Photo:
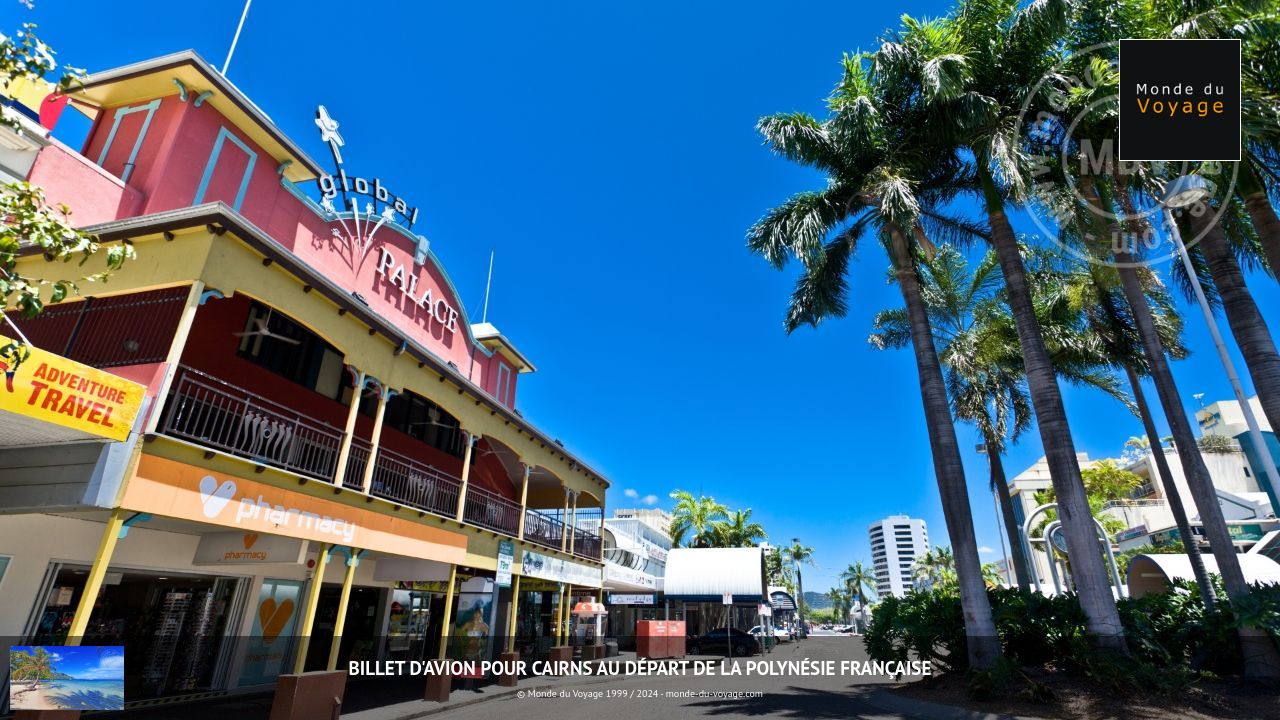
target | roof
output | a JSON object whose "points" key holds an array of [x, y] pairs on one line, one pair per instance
{"points": [[159, 77], [489, 336], [1154, 573], [780, 599], [706, 574]]}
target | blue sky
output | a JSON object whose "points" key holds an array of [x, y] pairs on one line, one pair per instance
{"points": [[88, 663], [608, 155]]}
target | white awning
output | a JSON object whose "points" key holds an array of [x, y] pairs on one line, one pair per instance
{"points": [[1154, 573], [707, 574]]}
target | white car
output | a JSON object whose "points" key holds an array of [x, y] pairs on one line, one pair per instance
{"points": [[779, 634]]}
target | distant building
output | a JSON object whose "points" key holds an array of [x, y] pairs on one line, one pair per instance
{"points": [[1226, 418], [896, 542], [656, 518]]}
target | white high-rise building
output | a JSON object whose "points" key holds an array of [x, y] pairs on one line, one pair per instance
{"points": [[896, 542]]}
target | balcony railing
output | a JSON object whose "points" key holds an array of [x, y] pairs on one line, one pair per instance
{"points": [[218, 414], [403, 480], [491, 511], [543, 529], [586, 544]]}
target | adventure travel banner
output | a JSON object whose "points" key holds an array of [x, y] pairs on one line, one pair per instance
{"points": [[44, 386]]}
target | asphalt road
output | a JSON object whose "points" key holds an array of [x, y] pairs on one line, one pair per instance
{"points": [[724, 697]]}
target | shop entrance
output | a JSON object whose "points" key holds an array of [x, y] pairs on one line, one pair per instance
{"points": [[172, 625], [408, 626], [359, 633]]}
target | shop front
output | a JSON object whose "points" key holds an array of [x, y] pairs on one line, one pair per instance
{"points": [[549, 588], [717, 587]]}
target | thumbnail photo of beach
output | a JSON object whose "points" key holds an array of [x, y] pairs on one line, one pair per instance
{"points": [[66, 678]]}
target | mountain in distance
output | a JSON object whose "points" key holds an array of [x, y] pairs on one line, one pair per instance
{"points": [[817, 600]]}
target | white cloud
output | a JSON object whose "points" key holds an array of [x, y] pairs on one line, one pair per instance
{"points": [[649, 499], [984, 550], [631, 493], [110, 667]]}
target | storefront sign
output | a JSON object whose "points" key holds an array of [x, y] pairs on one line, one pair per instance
{"points": [[340, 182], [44, 386], [558, 569], [615, 599], [246, 548], [1131, 533], [727, 599], [405, 279], [506, 560], [173, 489], [614, 572]]}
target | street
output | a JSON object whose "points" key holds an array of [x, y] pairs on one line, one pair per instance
{"points": [[724, 696]]}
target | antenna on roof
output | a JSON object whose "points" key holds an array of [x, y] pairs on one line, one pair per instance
{"points": [[236, 38], [484, 316]]}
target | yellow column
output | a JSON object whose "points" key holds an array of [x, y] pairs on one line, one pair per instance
{"points": [[344, 450], [573, 522], [353, 559], [511, 614], [524, 501], [374, 439], [309, 611], [560, 617], [176, 346], [93, 583], [564, 524], [448, 612], [466, 473]]}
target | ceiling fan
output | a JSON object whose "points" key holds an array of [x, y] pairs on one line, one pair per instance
{"points": [[262, 329]]}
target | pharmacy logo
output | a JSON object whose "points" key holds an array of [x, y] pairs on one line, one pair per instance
{"points": [[214, 497]]}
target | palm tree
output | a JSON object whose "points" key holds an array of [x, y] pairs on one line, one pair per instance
{"points": [[935, 570], [858, 581], [1102, 192], [737, 531], [973, 71], [878, 177], [695, 518], [979, 349], [34, 665], [798, 554], [839, 602]]}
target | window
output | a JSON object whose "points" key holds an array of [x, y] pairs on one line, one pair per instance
{"points": [[505, 387], [277, 343], [425, 421]]}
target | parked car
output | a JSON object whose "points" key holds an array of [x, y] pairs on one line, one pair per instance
{"points": [[721, 640], [779, 634]]}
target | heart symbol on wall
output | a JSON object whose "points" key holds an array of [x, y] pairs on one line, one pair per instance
{"points": [[273, 618], [214, 497], [250, 539]]}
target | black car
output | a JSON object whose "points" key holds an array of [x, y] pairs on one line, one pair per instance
{"points": [[719, 640]]}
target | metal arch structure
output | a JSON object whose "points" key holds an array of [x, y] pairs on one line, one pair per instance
{"points": [[1043, 539]]}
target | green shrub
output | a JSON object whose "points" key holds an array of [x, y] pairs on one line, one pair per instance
{"points": [[1170, 636]]}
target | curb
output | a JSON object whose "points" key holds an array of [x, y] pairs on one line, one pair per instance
{"points": [[890, 701]]}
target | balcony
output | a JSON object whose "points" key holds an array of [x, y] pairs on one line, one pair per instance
{"points": [[491, 511], [216, 414]]}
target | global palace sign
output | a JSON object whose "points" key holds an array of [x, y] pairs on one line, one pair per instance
{"points": [[359, 225]]}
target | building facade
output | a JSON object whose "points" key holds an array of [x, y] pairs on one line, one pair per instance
{"points": [[328, 462], [635, 567], [896, 543]]}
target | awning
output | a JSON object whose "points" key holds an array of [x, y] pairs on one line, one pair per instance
{"points": [[781, 599], [707, 574], [589, 608], [1155, 573]]}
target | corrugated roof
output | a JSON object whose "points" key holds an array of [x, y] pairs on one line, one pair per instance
{"points": [[706, 574], [1153, 573]]}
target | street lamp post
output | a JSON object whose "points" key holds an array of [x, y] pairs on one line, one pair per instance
{"points": [[1184, 192]]}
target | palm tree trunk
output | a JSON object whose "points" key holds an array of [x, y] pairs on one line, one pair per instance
{"points": [[1247, 324], [1171, 494], [1091, 578], [1265, 222], [1261, 658], [980, 630], [1253, 192], [1000, 485]]}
